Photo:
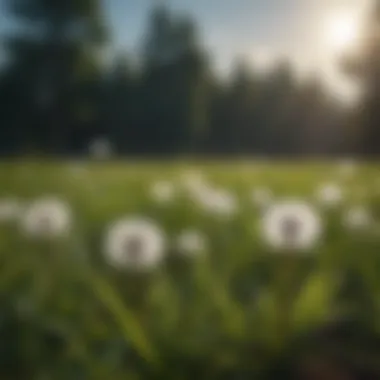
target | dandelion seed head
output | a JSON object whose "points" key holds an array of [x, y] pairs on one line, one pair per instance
{"points": [[100, 149], [357, 218], [330, 195], [47, 218], [219, 202], [191, 242], [162, 192], [134, 243], [291, 225]]}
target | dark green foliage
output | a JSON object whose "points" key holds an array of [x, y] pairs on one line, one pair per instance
{"points": [[241, 311], [57, 93], [52, 64], [365, 69]]}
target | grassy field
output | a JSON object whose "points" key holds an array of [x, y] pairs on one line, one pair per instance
{"points": [[237, 310]]}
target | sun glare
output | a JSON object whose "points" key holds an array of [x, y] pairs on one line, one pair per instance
{"points": [[341, 31]]}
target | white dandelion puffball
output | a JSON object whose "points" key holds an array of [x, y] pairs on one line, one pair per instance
{"points": [[197, 189], [100, 149], [47, 217], [219, 202], [200, 194], [191, 242], [10, 209], [357, 218], [330, 195], [162, 192], [292, 225], [224, 203], [262, 197], [194, 184], [134, 243]]}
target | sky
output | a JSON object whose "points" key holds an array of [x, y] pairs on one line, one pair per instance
{"points": [[258, 30]]}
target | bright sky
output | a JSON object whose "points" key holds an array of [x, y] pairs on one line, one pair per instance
{"points": [[312, 33]]}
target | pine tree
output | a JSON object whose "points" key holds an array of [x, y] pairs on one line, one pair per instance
{"points": [[53, 59], [174, 84], [121, 105], [365, 69]]}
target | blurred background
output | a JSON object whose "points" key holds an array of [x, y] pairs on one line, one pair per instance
{"points": [[285, 78], [180, 79]]}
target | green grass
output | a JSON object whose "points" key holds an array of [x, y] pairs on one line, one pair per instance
{"points": [[240, 310]]}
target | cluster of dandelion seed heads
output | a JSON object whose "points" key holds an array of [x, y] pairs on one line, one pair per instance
{"points": [[140, 243]]}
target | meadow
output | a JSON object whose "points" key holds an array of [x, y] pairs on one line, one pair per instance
{"points": [[228, 301]]}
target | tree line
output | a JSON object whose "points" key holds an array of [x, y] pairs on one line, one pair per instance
{"points": [[58, 92]]}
